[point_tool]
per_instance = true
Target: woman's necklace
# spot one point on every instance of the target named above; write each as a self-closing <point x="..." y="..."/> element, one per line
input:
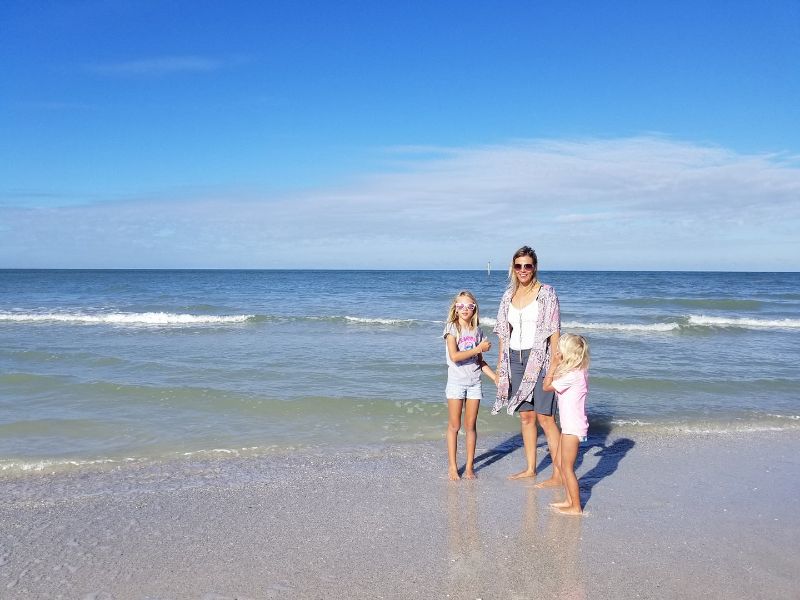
<point x="530" y="290"/>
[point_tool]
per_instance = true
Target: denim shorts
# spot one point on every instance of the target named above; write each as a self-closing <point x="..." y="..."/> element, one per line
<point x="459" y="391"/>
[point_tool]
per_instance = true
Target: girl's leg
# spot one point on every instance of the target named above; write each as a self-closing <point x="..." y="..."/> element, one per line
<point x="527" y="421"/>
<point x="556" y="464"/>
<point x="551" y="432"/>
<point x="569" y="453"/>
<point x="453" y="426"/>
<point x="565" y="502"/>
<point x="470" y="422"/>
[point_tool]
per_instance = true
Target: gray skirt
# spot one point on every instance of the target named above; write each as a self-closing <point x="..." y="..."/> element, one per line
<point x="538" y="400"/>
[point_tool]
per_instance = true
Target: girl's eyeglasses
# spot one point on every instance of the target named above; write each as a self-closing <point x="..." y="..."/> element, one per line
<point x="461" y="306"/>
<point x="523" y="266"/>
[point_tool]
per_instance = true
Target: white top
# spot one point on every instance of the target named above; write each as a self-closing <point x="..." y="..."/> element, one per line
<point x="523" y="323"/>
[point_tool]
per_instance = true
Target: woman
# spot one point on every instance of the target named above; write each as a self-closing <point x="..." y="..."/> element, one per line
<point x="528" y="328"/>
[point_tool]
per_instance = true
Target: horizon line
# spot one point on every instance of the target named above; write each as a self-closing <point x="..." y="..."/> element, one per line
<point x="334" y="269"/>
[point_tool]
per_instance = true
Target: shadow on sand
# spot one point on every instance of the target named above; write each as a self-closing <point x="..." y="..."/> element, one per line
<point x="609" y="457"/>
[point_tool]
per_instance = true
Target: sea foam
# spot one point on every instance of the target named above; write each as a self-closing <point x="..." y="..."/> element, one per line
<point x="687" y="323"/>
<point x="146" y="318"/>
<point x="635" y="327"/>
<point x="704" y="321"/>
<point x="378" y="321"/>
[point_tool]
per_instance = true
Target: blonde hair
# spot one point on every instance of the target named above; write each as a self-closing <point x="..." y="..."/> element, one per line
<point x="574" y="351"/>
<point x="452" y="315"/>
<point x="513" y="282"/>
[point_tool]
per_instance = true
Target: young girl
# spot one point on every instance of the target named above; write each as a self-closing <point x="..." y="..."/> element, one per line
<point x="568" y="376"/>
<point x="465" y="344"/>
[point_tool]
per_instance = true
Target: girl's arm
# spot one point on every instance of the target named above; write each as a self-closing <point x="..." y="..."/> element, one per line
<point x="488" y="371"/>
<point x="547" y="384"/>
<point x="485" y="366"/>
<point x="555" y="358"/>
<point x="457" y="355"/>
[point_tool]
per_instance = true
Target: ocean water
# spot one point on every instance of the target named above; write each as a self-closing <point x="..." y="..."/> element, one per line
<point x="108" y="367"/>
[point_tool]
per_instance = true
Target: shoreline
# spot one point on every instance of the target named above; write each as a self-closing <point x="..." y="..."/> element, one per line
<point x="15" y="468"/>
<point x="711" y="515"/>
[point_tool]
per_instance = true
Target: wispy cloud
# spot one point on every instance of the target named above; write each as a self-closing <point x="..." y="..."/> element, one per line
<point x="644" y="202"/>
<point x="591" y="218"/>
<point x="158" y="66"/>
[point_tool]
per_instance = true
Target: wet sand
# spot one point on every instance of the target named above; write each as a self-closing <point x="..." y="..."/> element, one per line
<point x="712" y="516"/>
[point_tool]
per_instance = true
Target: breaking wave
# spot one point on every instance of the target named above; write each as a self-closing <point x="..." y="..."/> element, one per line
<point x="145" y="318"/>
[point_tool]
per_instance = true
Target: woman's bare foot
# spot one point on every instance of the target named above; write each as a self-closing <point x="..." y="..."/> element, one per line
<point x="470" y="474"/>
<point x="526" y="474"/>
<point x="549" y="483"/>
<point x="570" y="510"/>
<point x="452" y="473"/>
<point x="563" y="504"/>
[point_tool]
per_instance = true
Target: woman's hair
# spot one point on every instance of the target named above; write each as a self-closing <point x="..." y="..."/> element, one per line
<point x="513" y="282"/>
<point x="452" y="315"/>
<point x="574" y="351"/>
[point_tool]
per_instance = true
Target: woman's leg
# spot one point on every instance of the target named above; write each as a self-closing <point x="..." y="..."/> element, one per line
<point x="565" y="502"/>
<point x="527" y="418"/>
<point x="470" y="428"/>
<point x="551" y="432"/>
<point x="453" y="426"/>
<point x="527" y="421"/>
<point x="548" y="483"/>
<point x="569" y="453"/>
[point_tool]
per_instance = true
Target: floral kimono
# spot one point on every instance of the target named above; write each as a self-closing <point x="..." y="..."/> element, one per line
<point x="548" y="322"/>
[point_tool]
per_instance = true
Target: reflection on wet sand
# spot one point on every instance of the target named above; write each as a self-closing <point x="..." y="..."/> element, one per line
<point x="535" y="553"/>
<point x="465" y="552"/>
<point x="548" y="545"/>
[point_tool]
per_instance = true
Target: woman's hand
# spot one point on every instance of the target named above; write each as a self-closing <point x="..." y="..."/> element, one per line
<point x="485" y="346"/>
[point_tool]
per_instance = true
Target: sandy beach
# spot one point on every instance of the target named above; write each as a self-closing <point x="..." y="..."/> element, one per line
<point x="713" y="516"/>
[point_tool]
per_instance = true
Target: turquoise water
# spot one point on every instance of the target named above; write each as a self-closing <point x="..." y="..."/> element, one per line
<point x="110" y="366"/>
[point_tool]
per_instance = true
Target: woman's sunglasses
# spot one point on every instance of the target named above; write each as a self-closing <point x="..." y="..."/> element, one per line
<point x="523" y="266"/>
<point x="461" y="306"/>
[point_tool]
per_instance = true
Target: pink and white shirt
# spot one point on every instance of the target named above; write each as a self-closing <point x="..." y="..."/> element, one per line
<point x="571" y="390"/>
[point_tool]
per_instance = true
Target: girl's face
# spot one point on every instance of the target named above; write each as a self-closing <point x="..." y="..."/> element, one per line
<point x="523" y="269"/>
<point x="465" y="307"/>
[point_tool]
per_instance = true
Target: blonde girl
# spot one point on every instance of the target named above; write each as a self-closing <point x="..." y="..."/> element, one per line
<point x="568" y="376"/>
<point x="464" y="345"/>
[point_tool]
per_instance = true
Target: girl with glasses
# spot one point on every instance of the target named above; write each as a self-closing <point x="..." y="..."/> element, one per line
<point x="528" y="328"/>
<point x="464" y="344"/>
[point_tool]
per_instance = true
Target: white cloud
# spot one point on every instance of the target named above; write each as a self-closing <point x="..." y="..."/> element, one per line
<point x="645" y="202"/>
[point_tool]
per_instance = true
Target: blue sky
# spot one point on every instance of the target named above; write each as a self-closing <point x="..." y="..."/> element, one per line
<point x="608" y="135"/>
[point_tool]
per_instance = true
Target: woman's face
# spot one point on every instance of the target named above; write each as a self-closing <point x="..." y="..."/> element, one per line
<point x="523" y="269"/>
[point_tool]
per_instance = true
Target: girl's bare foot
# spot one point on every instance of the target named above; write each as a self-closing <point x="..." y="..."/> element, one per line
<point x="527" y="473"/>
<point x="563" y="504"/>
<point x="549" y="483"/>
<point x="452" y="473"/>
<point x="469" y="474"/>
<point x="570" y="510"/>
